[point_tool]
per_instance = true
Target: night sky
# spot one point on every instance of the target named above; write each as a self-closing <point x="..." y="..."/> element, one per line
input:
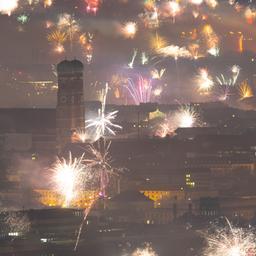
<point x="27" y="55"/>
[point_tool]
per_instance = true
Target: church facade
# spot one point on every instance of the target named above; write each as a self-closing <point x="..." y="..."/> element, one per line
<point x="70" y="101"/>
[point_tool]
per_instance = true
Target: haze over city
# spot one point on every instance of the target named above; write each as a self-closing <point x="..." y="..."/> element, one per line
<point x="127" y="127"/>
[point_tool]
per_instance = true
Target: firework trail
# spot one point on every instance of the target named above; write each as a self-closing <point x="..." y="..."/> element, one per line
<point x="100" y="164"/>
<point x="130" y="64"/>
<point x="140" y="90"/>
<point x="157" y="74"/>
<point x="86" y="213"/>
<point x="229" y="81"/>
<point x="100" y="161"/>
<point x="174" y="52"/>
<point x="231" y="241"/>
<point x="103" y="123"/>
<point x="223" y="80"/>
<point x="144" y="58"/>
<point x="224" y="84"/>
<point x="76" y="174"/>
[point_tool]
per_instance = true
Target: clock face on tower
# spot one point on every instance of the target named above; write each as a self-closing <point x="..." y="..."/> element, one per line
<point x="63" y="99"/>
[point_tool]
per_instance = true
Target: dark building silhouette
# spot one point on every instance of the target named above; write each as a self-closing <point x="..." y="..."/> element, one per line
<point x="70" y="101"/>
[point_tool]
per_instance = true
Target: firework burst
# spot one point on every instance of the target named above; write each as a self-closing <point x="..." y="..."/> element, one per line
<point x="204" y="81"/>
<point x="23" y="18"/>
<point x="231" y="241"/>
<point x="165" y="128"/>
<point x="214" y="51"/>
<point x="146" y="250"/>
<point x="92" y="6"/>
<point x="80" y="135"/>
<point x="57" y="37"/>
<point x="129" y="29"/>
<point x="103" y="124"/>
<point x="212" y="3"/>
<point x="222" y="92"/>
<point x="69" y="26"/>
<point x="17" y="222"/>
<point x="245" y="90"/>
<point x="186" y="117"/>
<point x="210" y="37"/>
<point x="100" y="161"/>
<point x="174" y="51"/>
<point x="174" y="9"/>
<point x="8" y="6"/>
<point x="157" y="42"/>
<point x="69" y="177"/>
<point x="48" y="3"/>
<point x="235" y="69"/>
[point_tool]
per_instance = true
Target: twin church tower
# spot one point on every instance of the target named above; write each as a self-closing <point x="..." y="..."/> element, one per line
<point x="70" y="114"/>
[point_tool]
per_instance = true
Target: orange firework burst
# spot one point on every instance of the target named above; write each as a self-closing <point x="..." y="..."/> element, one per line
<point x="57" y="37"/>
<point x="92" y="6"/>
<point x="157" y="42"/>
<point x="245" y="90"/>
<point x="47" y="3"/>
<point x="210" y="37"/>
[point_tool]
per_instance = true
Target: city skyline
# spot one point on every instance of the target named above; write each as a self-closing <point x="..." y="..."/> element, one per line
<point x="127" y="128"/>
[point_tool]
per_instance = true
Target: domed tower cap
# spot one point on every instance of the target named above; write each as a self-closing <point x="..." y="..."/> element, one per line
<point x="70" y="66"/>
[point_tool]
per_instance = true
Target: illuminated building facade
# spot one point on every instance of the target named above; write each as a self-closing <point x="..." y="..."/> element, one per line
<point x="53" y="199"/>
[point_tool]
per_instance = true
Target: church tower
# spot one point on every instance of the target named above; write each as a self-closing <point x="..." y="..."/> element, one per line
<point x="70" y="107"/>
